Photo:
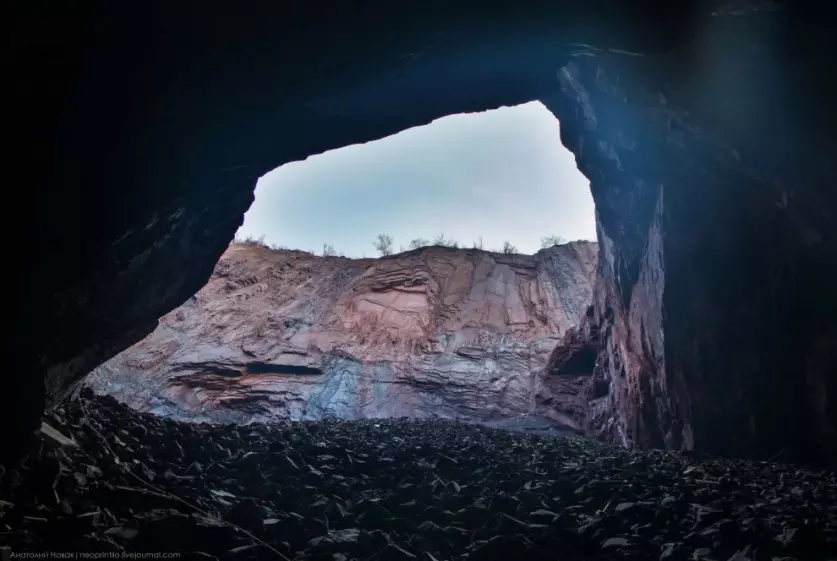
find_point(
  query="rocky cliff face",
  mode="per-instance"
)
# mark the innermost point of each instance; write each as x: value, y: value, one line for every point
x: 434, y: 332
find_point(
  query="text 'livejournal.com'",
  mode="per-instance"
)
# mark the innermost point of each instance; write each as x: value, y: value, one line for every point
x: 8, y: 555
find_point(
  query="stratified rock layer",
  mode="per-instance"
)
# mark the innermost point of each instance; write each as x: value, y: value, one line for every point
x: 434, y: 332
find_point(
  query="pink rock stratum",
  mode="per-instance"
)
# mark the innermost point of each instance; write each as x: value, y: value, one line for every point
x: 434, y: 332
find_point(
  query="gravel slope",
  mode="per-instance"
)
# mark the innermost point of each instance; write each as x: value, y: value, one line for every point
x: 400, y: 490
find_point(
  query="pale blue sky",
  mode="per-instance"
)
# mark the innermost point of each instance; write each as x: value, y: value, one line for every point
x: 501, y: 174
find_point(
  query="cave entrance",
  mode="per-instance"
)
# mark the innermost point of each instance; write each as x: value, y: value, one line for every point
x: 280, y: 333
x: 492, y: 180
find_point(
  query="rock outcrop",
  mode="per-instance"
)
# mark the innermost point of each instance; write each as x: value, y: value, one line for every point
x: 705, y: 127
x: 431, y: 333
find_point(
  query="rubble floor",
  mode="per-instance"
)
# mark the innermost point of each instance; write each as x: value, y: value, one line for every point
x: 397, y: 489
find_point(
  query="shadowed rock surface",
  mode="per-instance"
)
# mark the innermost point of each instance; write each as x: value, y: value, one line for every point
x: 399, y: 489
x: 433, y: 332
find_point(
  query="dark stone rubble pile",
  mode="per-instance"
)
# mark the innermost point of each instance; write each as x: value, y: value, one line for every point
x: 398, y: 490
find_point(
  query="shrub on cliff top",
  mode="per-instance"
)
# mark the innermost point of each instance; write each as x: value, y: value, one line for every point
x: 549, y: 241
x: 383, y: 244
x: 442, y: 241
x: 250, y: 240
x: 419, y: 242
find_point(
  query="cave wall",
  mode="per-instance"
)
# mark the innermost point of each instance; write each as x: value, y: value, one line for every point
x: 140, y: 131
x: 714, y: 218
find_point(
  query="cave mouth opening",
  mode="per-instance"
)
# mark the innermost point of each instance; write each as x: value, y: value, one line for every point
x: 499, y: 180
x: 303, y: 337
x: 300, y: 461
